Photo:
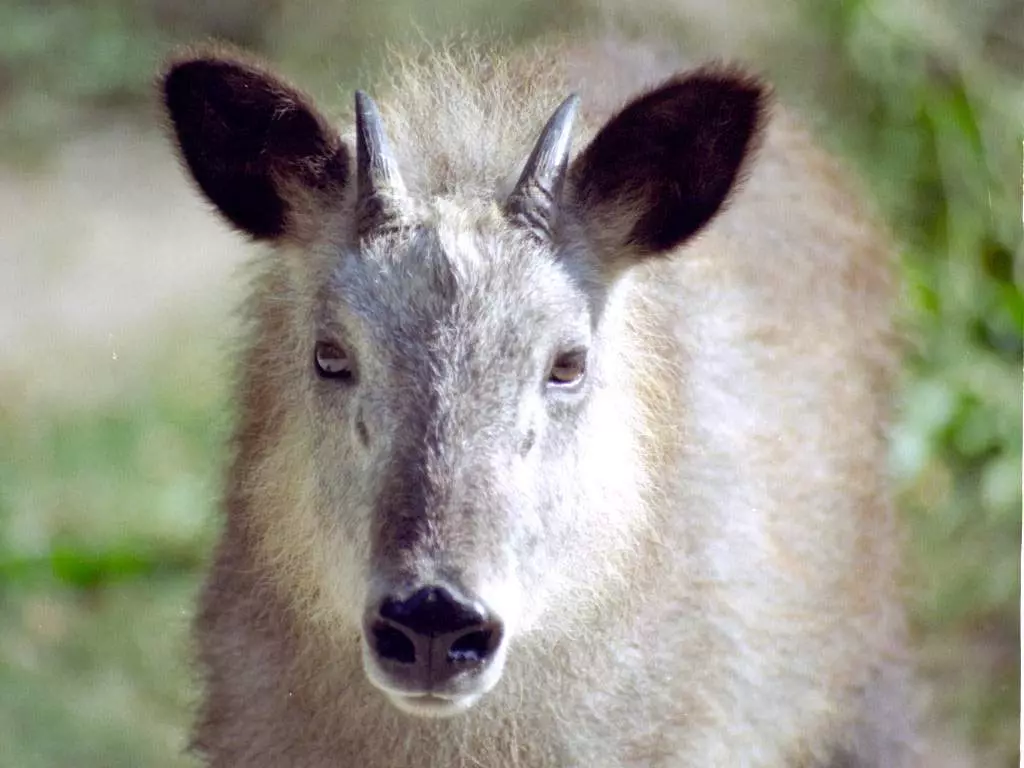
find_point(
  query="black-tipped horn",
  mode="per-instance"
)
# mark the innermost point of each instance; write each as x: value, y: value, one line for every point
x: 534, y: 201
x: 380, y: 191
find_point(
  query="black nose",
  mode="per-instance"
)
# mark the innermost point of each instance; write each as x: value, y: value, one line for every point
x: 433, y: 635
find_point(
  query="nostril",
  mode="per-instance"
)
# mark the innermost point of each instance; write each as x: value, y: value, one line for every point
x: 392, y: 645
x: 472, y: 647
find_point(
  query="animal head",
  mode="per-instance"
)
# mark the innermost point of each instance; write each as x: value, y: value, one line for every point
x: 460, y: 461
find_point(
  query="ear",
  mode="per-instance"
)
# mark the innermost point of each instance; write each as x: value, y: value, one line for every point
x: 662, y: 168
x: 255, y: 145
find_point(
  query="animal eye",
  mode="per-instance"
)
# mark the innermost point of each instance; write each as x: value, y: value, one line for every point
x: 568, y: 368
x: 332, y: 362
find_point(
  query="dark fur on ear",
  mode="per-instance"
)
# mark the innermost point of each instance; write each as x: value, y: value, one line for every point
x: 662, y: 168
x: 254, y: 144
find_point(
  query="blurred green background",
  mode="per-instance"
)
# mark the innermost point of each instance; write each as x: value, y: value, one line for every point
x: 116, y: 288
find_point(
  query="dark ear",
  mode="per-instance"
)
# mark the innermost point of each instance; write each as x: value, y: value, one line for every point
x: 256, y: 147
x: 663, y: 167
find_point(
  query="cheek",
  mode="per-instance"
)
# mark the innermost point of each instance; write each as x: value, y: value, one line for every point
x: 541, y: 526
x: 344, y: 472
x: 570, y: 517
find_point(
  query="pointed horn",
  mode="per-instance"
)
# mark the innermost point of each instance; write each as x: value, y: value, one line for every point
x: 379, y: 188
x: 534, y: 201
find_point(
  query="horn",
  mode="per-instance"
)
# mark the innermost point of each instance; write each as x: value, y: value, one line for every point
x: 534, y: 201
x: 380, y: 192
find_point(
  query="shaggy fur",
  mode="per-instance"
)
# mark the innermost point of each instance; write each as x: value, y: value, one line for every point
x: 695, y: 557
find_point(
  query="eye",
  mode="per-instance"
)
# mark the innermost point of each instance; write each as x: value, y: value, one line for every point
x: 332, y: 362
x: 568, y: 369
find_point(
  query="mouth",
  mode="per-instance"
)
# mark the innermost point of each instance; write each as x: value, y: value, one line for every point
x: 433, y: 705
x: 438, y: 703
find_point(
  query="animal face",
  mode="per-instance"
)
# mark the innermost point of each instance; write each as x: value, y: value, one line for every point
x: 455, y: 372
x: 453, y: 367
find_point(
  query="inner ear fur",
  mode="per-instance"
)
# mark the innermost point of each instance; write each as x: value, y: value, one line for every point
x: 255, y: 145
x: 664, y: 166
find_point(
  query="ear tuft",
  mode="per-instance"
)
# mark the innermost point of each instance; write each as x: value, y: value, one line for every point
x: 252, y: 142
x: 662, y: 168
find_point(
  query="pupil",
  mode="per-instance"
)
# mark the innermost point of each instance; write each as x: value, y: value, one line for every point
x: 567, y: 370
x: 331, y: 359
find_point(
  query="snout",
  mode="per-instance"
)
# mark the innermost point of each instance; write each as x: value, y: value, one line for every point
x: 434, y: 651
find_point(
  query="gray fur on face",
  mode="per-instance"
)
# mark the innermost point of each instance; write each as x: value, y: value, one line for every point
x: 453, y: 326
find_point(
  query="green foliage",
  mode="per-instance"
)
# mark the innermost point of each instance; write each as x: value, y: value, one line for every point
x: 96, y: 677
x: 121, y: 490
x: 106, y: 513
x: 56, y: 56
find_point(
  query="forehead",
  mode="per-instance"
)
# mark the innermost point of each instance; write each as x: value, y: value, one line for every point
x: 458, y: 273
